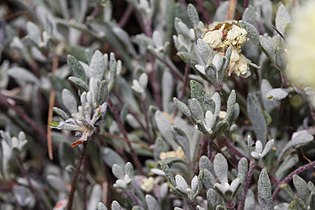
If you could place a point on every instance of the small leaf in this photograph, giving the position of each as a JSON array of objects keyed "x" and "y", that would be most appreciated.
[
  {"x": 101, "y": 206},
  {"x": 151, "y": 202},
  {"x": 95, "y": 197},
  {"x": 264, "y": 191},
  {"x": 97, "y": 65},
  {"x": 167, "y": 89},
  {"x": 213, "y": 199},
  {"x": 250, "y": 201},
  {"x": 299, "y": 139},
  {"x": 182, "y": 107},
  {"x": 287, "y": 164},
  {"x": 301, "y": 187},
  {"x": 242, "y": 169},
  {"x": 252, "y": 32},
  {"x": 61, "y": 113},
  {"x": 80, "y": 83},
  {"x": 111, "y": 157},
  {"x": 221, "y": 168},
  {"x": 278, "y": 93},
  {"x": 196, "y": 109},
  {"x": 197, "y": 91},
  {"x": 193, "y": 14},
  {"x": 205, "y": 51},
  {"x": 267, "y": 148},
  {"x": 118, "y": 171},
  {"x": 22, "y": 76},
  {"x": 181, "y": 183},
  {"x": 283, "y": 18},
  {"x": 57, "y": 183},
  {"x": 164, "y": 126},
  {"x": 76, "y": 68},
  {"x": 69, "y": 101},
  {"x": 181, "y": 139},
  {"x": 257, "y": 118},
  {"x": 116, "y": 206}
]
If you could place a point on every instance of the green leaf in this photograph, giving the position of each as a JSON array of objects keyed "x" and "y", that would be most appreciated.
[
  {"x": 116, "y": 206},
  {"x": 111, "y": 157},
  {"x": 167, "y": 90},
  {"x": 193, "y": 15},
  {"x": 164, "y": 127},
  {"x": 79, "y": 83},
  {"x": 101, "y": 206},
  {"x": 242, "y": 169},
  {"x": 283, "y": 18},
  {"x": 205, "y": 51},
  {"x": 53, "y": 124},
  {"x": 22, "y": 76},
  {"x": 186, "y": 57},
  {"x": 61, "y": 113},
  {"x": 196, "y": 109},
  {"x": 257, "y": 118},
  {"x": 287, "y": 164},
  {"x": 221, "y": 168},
  {"x": 299, "y": 139},
  {"x": 182, "y": 107},
  {"x": 301, "y": 188},
  {"x": 69, "y": 101},
  {"x": 213, "y": 199},
  {"x": 252, "y": 32},
  {"x": 181, "y": 139},
  {"x": 151, "y": 202},
  {"x": 264, "y": 191},
  {"x": 97, "y": 65},
  {"x": 76, "y": 68},
  {"x": 250, "y": 202},
  {"x": 197, "y": 91}
]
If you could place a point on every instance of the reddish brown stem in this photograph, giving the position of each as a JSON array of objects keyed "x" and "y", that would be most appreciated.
[
  {"x": 75, "y": 177},
  {"x": 288, "y": 178}
]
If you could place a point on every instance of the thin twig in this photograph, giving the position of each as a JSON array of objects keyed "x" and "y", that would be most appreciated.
[
  {"x": 246, "y": 3},
  {"x": 10, "y": 104},
  {"x": 75, "y": 177},
  {"x": 247, "y": 184},
  {"x": 174, "y": 71},
  {"x": 134, "y": 156},
  {"x": 288, "y": 178},
  {"x": 231, "y": 11},
  {"x": 124, "y": 19},
  {"x": 52, "y": 96}
]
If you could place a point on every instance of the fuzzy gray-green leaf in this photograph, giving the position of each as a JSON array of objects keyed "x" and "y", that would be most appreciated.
[
  {"x": 182, "y": 107},
  {"x": 264, "y": 191},
  {"x": 69, "y": 101},
  {"x": 221, "y": 168},
  {"x": 76, "y": 68},
  {"x": 97, "y": 65},
  {"x": 257, "y": 118}
]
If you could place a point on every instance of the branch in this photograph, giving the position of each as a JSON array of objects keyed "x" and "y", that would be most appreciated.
[
  {"x": 8, "y": 103},
  {"x": 231, "y": 11},
  {"x": 75, "y": 177},
  {"x": 288, "y": 178},
  {"x": 247, "y": 184}
]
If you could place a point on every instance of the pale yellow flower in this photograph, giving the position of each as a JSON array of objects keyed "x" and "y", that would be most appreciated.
[
  {"x": 147, "y": 184},
  {"x": 236, "y": 36},
  {"x": 179, "y": 153},
  {"x": 214, "y": 38},
  {"x": 222, "y": 35},
  {"x": 301, "y": 46}
]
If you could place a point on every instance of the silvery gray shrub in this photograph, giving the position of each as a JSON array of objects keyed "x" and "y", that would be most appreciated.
[{"x": 153, "y": 119}]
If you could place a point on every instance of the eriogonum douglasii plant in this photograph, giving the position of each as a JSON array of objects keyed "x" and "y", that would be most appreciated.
[{"x": 144, "y": 104}]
